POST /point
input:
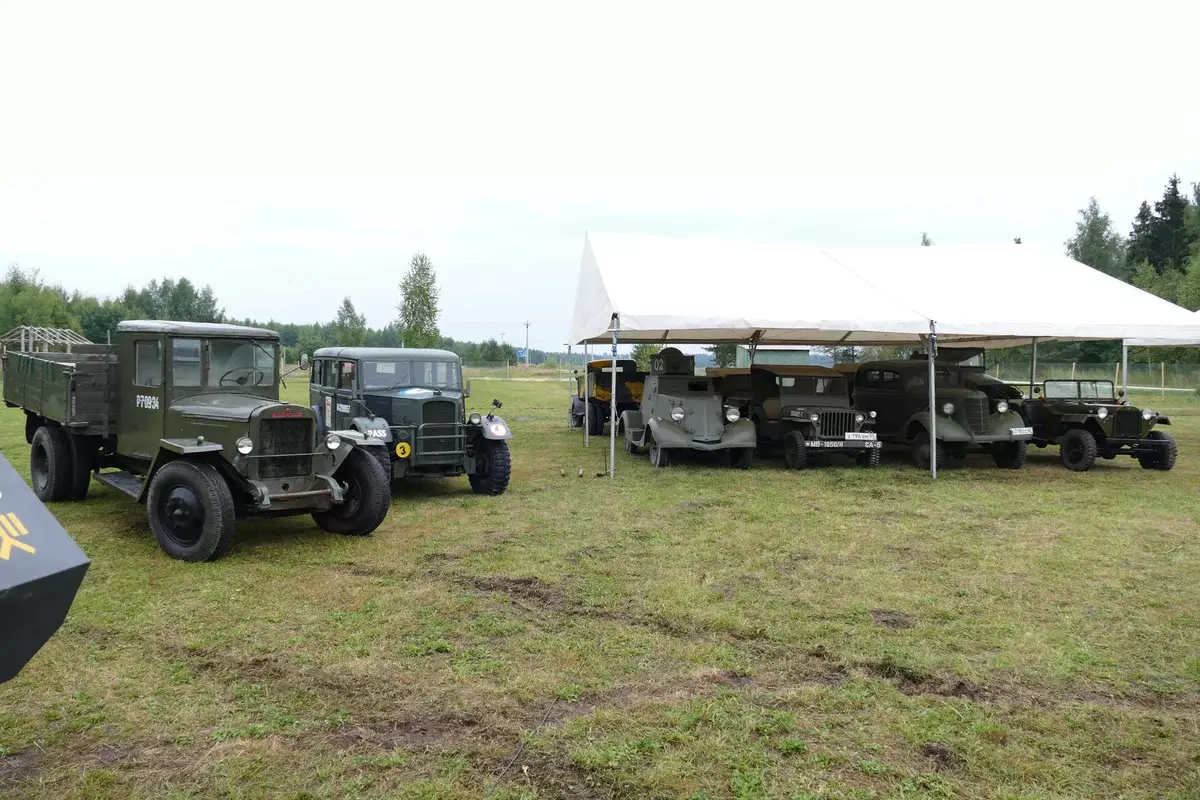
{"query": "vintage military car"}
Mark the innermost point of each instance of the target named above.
(968, 419)
(1086, 419)
(186, 418)
(806, 411)
(595, 384)
(414, 402)
(681, 410)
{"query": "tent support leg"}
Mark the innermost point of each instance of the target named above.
(612, 412)
(931, 352)
(587, 394)
(1032, 367)
(1124, 368)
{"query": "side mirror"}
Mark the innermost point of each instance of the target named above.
(496, 403)
(304, 361)
(467, 390)
(1120, 392)
(1037, 390)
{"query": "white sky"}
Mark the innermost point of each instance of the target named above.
(289, 154)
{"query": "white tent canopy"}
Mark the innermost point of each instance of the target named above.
(706, 291)
(1192, 340)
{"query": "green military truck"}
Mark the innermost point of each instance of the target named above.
(805, 411)
(682, 411)
(968, 418)
(1086, 420)
(186, 418)
(413, 401)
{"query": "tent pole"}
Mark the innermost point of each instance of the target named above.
(1125, 367)
(587, 396)
(1032, 367)
(612, 396)
(931, 353)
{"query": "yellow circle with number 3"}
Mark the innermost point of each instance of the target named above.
(404, 450)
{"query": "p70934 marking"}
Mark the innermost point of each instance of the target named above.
(147, 401)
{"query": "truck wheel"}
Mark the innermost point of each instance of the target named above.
(658, 456)
(367, 496)
(574, 420)
(493, 467)
(83, 460)
(1010, 455)
(795, 454)
(1077, 450)
(191, 511)
(50, 464)
(869, 457)
(631, 448)
(595, 421)
(920, 451)
(740, 457)
(1164, 456)
(384, 456)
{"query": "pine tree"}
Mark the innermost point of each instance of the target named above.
(1139, 248)
(1171, 242)
(351, 326)
(1016, 240)
(925, 240)
(642, 353)
(418, 304)
(1096, 244)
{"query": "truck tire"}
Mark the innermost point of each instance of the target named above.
(83, 460)
(658, 456)
(740, 457)
(1077, 450)
(1164, 457)
(869, 457)
(795, 453)
(384, 456)
(574, 420)
(191, 510)
(920, 451)
(493, 467)
(50, 464)
(1010, 455)
(595, 420)
(630, 447)
(368, 496)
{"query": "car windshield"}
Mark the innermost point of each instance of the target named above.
(1079, 390)
(812, 385)
(241, 362)
(435, 374)
(384, 374)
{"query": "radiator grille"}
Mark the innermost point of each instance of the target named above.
(976, 410)
(836, 424)
(1127, 423)
(279, 439)
(440, 432)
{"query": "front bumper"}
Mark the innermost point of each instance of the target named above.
(299, 494)
(1133, 447)
(1003, 431)
(738, 434)
(842, 444)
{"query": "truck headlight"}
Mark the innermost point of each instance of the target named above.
(245, 445)
(732, 414)
(859, 418)
(814, 417)
(475, 419)
(948, 409)
(1102, 412)
(677, 413)
(333, 441)
(872, 414)
(1147, 414)
(1002, 407)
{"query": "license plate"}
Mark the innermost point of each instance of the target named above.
(1021, 431)
(818, 443)
(868, 436)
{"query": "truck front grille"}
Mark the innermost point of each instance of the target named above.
(1127, 423)
(440, 434)
(286, 446)
(976, 411)
(836, 424)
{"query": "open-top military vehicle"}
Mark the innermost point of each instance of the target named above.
(1086, 419)
(414, 402)
(595, 386)
(186, 418)
(968, 418)
(806, 410)
(681, 410)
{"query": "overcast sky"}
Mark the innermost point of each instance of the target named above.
(289, 154)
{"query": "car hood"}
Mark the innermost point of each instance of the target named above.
(222, 406)
(416, 393)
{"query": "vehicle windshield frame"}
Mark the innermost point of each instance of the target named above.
(837, 386)
(210, 376)
(453, 380)
(1079, 384)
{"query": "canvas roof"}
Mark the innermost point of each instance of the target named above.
(705, 291)
(1190, 341)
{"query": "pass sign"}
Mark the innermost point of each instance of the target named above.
(40, 571)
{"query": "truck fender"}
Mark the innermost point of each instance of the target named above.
(173, 449)
(373, 428)
(494, 427)
(634, 427)
(350, 440)
(319, 416)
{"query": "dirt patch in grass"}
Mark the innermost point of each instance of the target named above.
(19, 767)
(896, 620)
(420, 734)
(555, 776)
(943, 757)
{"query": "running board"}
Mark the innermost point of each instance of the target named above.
(122, 481)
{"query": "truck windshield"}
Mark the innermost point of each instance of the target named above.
(812, 385)
(241, 362)
(378, 375)
(1075, 390)
(435, 374)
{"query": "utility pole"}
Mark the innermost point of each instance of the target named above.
(527, 343)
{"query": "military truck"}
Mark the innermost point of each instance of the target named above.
(968, 419)
(595, 385)
(681, 410)
(805, 411)
(413, 401)
(186, 418)
(1086, 419)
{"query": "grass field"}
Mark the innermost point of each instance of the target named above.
(697, 632)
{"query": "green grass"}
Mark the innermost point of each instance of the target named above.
(698, 632)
